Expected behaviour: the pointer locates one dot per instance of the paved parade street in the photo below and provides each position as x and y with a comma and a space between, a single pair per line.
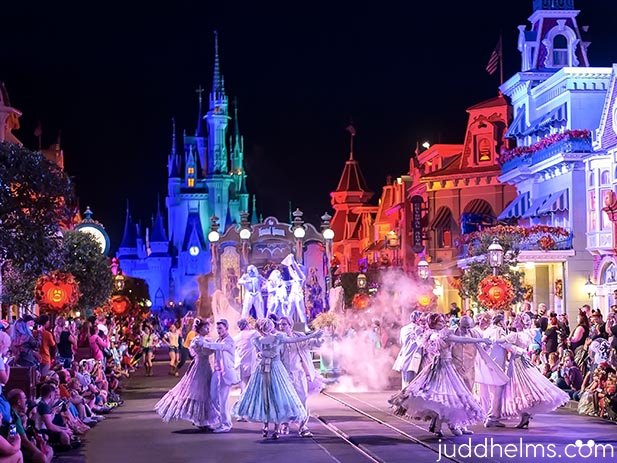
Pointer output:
348, 428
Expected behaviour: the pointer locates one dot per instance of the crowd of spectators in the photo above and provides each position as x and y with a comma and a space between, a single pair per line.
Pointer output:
76, 366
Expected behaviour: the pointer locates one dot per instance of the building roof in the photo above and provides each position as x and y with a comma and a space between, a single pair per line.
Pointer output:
129, 237
352, 178
499, 100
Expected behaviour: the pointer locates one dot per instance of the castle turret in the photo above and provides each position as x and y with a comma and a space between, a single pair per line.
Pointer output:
128, 245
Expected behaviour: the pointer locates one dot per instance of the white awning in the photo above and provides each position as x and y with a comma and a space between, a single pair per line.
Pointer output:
516, 208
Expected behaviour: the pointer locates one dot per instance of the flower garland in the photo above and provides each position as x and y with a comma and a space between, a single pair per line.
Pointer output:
522, 232
520, 151
495, 292
57, 292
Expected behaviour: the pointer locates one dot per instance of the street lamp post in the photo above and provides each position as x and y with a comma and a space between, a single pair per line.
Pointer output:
299, 233
590, 288
245, 236
495, 256
119, 281
214, 236
328, 235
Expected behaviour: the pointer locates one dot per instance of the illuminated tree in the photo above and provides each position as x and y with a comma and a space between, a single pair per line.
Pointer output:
34, 193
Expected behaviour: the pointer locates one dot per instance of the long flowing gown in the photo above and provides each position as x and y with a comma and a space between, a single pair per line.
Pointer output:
270, 396
528, 390
438, 389
190, 398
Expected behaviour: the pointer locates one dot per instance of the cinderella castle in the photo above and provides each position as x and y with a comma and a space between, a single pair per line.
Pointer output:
206, 178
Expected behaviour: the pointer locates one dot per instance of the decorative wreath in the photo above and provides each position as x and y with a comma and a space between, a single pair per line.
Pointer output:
495, 292
56, 292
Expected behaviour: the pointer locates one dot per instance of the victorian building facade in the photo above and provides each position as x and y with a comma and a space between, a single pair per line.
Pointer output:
557, 100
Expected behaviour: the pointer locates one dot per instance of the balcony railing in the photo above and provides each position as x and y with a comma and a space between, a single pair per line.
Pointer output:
546, 149
533, 242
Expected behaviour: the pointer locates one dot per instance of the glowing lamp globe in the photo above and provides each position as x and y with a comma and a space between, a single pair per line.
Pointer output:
300, 232
495, 254
214, 236
245, 234
424, 300
328, 234
423, 271
193, 251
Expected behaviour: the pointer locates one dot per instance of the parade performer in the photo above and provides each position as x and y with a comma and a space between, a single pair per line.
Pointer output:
190, 399
409, 339
246, 355
438, 393
528, 392
225, 374
473, 363
277, 294
496, 333
252, 282
297, 360
336, 297
314, 293
296, 308
223, 309
270, 396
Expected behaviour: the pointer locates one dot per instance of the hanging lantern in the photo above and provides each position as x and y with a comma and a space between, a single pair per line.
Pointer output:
424, 300
56, 292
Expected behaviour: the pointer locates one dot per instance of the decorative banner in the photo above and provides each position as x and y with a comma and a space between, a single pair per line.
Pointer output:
495, 292
56, 292
416, 224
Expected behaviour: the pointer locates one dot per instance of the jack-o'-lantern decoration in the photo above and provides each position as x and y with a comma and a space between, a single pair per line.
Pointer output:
495, 292
424, 300
120, 305
360, 301
56, 292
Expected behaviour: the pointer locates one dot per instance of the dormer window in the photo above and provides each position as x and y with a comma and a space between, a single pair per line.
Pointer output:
190, 182
560, 50
191, 171
484, 150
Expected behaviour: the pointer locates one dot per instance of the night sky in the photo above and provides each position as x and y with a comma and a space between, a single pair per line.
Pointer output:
112, 75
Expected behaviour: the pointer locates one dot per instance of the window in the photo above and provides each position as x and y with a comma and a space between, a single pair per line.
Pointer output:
191, 182
191, 171
560, 50
592, 179
484, 150
444, 238
591, 210
605, 222
605, 178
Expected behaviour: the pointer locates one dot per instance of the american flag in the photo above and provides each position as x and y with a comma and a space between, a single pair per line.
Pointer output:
495, 58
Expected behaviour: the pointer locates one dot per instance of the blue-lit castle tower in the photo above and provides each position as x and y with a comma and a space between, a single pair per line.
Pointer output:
206, 178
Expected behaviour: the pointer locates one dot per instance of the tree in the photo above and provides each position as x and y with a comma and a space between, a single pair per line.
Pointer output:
479, 268
34, 193
82, 257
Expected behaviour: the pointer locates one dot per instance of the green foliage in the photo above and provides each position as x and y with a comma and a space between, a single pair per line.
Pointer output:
480, 268
34, 194
82, 257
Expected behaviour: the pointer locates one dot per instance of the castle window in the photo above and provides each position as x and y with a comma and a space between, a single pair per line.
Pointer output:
560, 50
191, 171
191, 182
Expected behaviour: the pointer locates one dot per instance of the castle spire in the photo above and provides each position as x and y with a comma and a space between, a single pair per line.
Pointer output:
158, 228
198, 129
254, 219
217, 82
129, 237
173, 167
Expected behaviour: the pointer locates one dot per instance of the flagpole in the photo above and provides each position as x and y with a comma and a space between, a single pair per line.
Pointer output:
500, 58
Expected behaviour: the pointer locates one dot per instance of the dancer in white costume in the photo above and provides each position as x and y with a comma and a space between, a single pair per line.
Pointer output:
246, 354
336, 298
190, 399
222, 309
277, 294
529, 392
296, 308
252, 282
496, 333
438, 393
473, 363
297, 360
410, 337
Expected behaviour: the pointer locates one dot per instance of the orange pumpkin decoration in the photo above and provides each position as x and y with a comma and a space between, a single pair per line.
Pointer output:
495, 292
120, 305
56, 292
360, 301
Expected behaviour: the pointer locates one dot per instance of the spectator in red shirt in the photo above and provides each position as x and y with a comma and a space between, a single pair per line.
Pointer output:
48, 344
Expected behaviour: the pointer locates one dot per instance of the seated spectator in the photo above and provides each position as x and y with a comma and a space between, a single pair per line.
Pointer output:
48, 415
19, 408
571, 375
10, 448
